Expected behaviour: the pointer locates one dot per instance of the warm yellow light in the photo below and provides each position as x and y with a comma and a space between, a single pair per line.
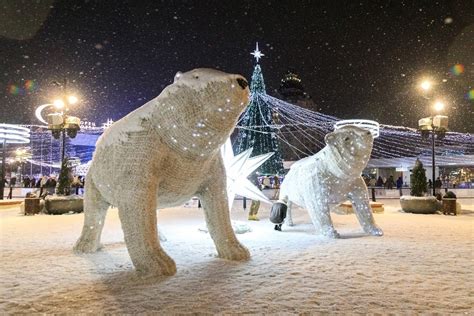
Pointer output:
439, 106
72, 99
426, 85
58, 104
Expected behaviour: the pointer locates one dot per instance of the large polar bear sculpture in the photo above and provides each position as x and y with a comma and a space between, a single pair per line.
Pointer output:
161, 155
331, 176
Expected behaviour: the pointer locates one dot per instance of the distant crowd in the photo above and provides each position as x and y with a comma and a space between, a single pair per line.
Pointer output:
380, 182
44, 185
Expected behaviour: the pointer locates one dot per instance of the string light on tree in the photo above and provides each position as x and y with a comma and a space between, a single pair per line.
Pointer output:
259, 130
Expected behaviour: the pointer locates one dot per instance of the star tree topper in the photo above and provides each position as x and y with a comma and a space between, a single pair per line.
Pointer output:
238, 168
257, 53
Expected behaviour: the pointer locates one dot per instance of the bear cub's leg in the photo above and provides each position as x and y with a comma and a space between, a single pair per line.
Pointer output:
95, 209
360, 201
320, 216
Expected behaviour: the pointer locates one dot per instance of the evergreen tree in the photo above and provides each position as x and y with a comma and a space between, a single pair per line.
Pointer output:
257, 129
65, 179
418, 179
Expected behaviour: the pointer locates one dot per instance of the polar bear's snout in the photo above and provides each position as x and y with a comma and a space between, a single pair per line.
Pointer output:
242, 83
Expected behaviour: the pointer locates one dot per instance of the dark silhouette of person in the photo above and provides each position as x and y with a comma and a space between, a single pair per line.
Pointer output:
12, 185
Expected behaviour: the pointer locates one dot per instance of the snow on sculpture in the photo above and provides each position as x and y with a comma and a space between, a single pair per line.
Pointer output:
161, 155
331, 176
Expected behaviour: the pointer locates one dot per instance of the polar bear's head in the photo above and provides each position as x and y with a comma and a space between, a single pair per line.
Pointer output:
197, 113
351, 147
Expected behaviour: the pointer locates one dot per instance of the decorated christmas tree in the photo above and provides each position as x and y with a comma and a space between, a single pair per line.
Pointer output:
65, 179
257, 129
418, 179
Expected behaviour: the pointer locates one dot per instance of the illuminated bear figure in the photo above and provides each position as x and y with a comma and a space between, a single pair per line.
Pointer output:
331, 176
160, 156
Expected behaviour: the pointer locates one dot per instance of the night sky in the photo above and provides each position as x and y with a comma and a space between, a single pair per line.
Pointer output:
356, 60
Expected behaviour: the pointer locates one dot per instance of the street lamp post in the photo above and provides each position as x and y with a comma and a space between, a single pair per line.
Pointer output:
61, 124
436, 125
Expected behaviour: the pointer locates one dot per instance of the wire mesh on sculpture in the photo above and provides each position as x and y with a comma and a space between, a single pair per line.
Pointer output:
167, 151
331, 176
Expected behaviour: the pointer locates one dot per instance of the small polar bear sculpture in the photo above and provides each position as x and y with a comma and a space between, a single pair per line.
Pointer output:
331, 176
161, 155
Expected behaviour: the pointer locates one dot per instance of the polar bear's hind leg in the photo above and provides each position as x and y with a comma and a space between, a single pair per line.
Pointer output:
95, 209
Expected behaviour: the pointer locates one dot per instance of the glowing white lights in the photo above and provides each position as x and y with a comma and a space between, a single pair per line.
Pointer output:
439, 105
426, 85
72, 99
257, 54
14, 134
58, 104
371, 126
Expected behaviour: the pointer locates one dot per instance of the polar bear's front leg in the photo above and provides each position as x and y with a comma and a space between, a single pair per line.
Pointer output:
213, 197
138, 217
95, 209
360, 202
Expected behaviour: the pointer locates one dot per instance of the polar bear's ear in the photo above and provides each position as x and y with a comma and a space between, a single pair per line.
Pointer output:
177, 76
330, 139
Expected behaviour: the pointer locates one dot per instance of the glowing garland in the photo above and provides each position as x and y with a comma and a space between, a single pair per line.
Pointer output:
303, 130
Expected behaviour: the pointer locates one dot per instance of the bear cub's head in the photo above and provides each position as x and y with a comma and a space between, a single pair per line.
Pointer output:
353, 144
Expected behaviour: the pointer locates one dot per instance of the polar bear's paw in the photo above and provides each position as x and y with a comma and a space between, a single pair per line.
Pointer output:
160, 264
330, 232
374, 230
86, 246
235, 252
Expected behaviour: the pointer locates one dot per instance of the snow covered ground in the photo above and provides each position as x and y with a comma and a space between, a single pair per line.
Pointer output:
423, 263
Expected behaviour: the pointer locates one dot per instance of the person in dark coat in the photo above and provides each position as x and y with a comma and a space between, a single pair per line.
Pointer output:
399, 183
379, 182
26, 182
390, 183
12, 185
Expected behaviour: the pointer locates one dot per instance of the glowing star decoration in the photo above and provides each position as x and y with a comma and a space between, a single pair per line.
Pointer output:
257, 53
238, 168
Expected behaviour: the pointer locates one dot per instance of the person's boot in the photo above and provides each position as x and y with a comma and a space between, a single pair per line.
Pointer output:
253, 218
